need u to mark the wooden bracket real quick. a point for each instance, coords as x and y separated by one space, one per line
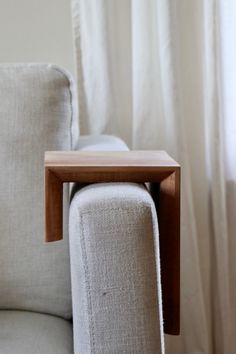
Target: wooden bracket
156 167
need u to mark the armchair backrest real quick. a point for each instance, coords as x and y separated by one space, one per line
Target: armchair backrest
37 113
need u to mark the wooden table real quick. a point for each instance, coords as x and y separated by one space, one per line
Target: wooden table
156 167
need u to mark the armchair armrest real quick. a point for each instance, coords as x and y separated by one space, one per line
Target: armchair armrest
156 167
115 270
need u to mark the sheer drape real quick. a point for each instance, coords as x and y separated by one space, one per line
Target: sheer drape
161 74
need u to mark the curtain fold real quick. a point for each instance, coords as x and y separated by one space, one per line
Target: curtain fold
161 75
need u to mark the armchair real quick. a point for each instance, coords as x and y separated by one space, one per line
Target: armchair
110 235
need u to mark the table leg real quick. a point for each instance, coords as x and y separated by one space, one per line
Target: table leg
167 199
53 207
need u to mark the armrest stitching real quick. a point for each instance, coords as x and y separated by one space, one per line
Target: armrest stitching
88 287
98 210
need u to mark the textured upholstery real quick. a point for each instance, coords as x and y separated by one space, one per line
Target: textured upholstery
100 143
36 114
113 235
32 333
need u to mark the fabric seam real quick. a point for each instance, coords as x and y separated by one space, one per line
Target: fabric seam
57 69
97 211
88 287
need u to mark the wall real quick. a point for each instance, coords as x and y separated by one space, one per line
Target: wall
36 31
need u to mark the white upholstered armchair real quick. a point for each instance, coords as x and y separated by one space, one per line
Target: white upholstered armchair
115 304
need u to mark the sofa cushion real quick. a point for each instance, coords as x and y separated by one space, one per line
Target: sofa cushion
101 143
33 333
37 113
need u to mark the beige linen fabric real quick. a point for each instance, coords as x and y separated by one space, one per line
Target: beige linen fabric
101 143
113 230
36 114
24 332
115 270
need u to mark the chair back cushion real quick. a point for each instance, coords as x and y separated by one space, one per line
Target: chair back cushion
37 113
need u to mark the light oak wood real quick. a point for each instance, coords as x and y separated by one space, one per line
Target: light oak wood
156 167
109 158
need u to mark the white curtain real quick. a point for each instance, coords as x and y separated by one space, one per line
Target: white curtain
161 74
